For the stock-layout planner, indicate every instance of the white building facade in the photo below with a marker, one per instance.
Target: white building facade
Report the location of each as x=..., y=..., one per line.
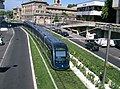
x=40, y=12
x=116, y=6
x=90, y=10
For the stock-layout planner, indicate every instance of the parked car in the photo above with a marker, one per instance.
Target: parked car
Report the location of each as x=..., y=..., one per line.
x=92, y=46
x=117, y=43
x=64, y=34
x=103, y=42
x=1, y=41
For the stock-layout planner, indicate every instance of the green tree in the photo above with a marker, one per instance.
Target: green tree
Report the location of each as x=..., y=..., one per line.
x=71, y=5
x=108, y=13
x=64, y=13
x=2, y=13
x=56, y=19
x=9, y=14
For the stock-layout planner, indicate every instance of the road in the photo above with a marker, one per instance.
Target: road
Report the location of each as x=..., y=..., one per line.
x=114, y=53
x=16, y=70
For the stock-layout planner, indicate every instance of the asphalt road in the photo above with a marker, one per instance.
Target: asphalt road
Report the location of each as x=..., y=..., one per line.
x=16, y=71
x=114, y=53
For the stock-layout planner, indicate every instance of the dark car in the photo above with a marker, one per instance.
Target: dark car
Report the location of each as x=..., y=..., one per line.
x=92, y=46
x=117, y=43
x=64, y=34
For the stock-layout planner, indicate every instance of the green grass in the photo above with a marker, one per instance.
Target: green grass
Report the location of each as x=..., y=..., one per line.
x=95, y=64
x=70, y=81
x=68, y=78
x=42, y=77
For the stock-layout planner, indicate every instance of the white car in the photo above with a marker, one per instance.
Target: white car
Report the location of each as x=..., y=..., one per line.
x=103, y=42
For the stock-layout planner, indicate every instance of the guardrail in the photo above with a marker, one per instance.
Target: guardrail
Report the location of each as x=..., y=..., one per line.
x=104, y=26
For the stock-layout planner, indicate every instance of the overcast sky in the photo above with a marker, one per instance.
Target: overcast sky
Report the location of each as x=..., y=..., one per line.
x=10, y=4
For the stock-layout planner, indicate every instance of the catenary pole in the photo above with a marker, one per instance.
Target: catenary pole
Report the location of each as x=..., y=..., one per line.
x=107, y=52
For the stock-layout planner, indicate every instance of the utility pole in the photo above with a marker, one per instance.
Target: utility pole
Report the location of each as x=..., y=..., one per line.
x=107, y=53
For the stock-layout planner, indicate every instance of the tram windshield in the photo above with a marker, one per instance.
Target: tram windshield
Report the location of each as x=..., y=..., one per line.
x=60, y=54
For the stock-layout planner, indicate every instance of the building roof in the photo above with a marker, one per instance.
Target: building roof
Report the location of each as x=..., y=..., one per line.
x=16, y=8
x=35, y=2
x=60, y=8
x=91, y=3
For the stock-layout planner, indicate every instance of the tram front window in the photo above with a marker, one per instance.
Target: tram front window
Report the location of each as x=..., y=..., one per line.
x=60, y=55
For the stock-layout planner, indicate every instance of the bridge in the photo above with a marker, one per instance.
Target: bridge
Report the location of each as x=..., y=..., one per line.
x=97, y=25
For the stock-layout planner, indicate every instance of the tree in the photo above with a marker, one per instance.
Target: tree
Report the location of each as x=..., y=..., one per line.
x=64, y=13
x=108, y=13
x=71, y=5
x=9, y=14
x=2, y=13
x=56, y=19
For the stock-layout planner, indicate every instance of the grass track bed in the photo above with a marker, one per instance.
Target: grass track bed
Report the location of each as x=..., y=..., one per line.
x=66, y=80
x=95, y=64
x=42, y=77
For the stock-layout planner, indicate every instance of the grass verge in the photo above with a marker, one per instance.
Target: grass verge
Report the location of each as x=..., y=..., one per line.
x=42, y=77
x=66, y=79
x=95, y=64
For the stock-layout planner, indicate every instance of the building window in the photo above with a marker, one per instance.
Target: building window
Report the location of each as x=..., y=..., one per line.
x=40, y=6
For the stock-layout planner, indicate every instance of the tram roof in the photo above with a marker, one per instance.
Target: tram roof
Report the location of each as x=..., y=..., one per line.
x=49, y=36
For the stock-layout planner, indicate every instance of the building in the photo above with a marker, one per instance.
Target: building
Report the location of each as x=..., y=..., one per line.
x=90, y=10
x=116, y=6
x=17, y=13
x=1, y=9
x=57, y=3
x=1, y=4
x=32, y=8
x=40, y=12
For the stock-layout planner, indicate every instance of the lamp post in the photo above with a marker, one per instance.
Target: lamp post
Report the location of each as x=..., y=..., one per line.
x=107, y=53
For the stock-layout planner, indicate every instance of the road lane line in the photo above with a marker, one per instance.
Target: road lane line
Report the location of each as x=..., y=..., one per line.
x=115, y=57
x=2, y=61
x=95, y=55
x=31, y=61
x=88, y=51
x=45, y=64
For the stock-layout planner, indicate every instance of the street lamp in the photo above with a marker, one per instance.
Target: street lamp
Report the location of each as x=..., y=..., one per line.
x=107, y=53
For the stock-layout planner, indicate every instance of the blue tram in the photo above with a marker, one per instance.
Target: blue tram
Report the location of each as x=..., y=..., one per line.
x=55, y=50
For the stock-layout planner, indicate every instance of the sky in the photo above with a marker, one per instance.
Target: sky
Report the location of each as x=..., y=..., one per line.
x=10, y=4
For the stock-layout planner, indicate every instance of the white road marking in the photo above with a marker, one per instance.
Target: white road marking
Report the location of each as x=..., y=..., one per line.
x=115, y=57
x=44, y=63
x=2, y=61
x=31, y=61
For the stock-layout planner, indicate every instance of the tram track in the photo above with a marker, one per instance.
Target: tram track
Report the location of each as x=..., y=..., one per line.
x=66, y=77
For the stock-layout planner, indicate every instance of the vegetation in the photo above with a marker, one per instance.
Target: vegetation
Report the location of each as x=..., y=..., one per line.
x=64, y=13
x=93, y=63
x=2, y=13
x=107, y=12
x=71, y=5
x=9, y=14
x=56, y=19
x=66, y=80
x=43, y=82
